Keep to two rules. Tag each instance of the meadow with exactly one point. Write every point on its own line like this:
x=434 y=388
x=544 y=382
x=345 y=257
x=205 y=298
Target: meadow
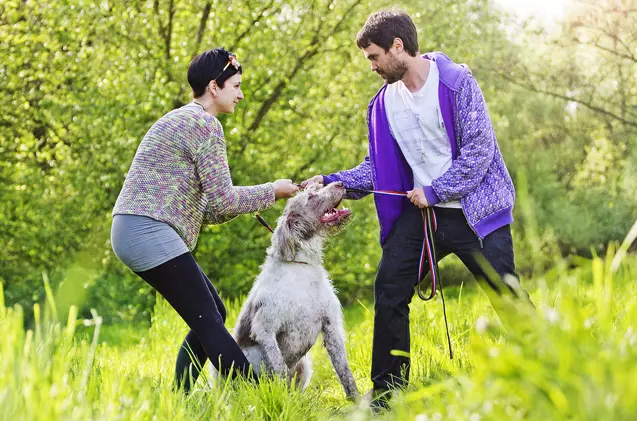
x=574 y=358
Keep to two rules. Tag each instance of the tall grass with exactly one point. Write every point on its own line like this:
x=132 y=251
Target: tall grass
x=575 y=358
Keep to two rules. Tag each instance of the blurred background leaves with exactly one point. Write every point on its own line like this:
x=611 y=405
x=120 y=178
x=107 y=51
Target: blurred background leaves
x=81 y=82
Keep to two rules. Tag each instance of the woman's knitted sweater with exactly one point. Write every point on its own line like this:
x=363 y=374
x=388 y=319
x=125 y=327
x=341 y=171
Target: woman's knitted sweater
x=180 y=176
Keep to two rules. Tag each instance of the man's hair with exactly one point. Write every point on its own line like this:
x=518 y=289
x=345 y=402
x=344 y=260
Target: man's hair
x=381 y=28
x=209 y=66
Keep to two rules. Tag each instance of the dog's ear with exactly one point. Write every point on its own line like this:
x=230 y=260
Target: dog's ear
x=291 y=229
x=284 y=242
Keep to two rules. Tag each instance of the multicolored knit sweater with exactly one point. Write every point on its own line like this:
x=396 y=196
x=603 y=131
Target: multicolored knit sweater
x=180 y=176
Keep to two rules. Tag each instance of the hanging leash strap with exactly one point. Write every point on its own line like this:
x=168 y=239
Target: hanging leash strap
x=263 y=222
x=429 y=247
x=427 y=254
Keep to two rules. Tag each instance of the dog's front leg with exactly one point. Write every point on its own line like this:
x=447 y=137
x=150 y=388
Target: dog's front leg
x=272 y=354
x=264 y=330
x=334 y=341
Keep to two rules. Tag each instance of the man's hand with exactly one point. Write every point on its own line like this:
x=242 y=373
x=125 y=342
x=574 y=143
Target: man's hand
x=316 y=179
x=284 y=189
x=417 y=197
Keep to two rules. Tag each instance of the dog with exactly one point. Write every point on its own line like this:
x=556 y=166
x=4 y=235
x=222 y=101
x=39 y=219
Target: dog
x=292 y=299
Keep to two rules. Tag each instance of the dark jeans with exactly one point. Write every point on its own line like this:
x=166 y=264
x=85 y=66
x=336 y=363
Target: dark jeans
x=184 y=285
x=398 y=275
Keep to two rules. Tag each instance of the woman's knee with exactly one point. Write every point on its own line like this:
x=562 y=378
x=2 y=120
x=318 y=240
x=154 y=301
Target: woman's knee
x=205 y=322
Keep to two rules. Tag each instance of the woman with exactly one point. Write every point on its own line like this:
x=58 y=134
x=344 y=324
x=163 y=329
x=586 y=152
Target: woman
x=179 y=180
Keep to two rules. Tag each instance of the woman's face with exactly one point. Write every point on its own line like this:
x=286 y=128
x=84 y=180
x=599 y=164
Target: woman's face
x=228 y=97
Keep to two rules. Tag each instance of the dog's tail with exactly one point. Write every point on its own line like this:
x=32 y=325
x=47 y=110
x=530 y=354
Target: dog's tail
x=303 y=372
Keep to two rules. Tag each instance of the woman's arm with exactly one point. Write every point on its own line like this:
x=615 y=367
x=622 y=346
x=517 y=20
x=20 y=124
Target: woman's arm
x=225 y=199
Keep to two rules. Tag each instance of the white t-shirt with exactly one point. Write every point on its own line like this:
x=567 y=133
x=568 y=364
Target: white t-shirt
x=416 y=123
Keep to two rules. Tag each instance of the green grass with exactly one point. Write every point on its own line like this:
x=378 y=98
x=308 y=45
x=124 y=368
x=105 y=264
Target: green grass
x=573 y=359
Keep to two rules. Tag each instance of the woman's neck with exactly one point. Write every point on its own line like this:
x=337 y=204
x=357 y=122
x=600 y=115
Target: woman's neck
x=208 y=105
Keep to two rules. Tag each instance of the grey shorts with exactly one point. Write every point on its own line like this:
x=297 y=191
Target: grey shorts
x=143 y=243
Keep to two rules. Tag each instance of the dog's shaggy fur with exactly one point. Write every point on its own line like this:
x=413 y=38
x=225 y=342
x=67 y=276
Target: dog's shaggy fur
x=292 y=299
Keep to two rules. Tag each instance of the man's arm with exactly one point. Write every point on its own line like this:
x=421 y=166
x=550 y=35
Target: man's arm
x=477 y=147
x=359 y=177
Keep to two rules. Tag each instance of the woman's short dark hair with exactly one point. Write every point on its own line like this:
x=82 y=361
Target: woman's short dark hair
x=209 y=66
x=381 y=28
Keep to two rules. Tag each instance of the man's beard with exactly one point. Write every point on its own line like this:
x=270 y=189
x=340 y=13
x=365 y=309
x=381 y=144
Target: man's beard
x=395 y=73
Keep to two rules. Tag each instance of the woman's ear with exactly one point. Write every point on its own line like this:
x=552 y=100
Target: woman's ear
x=213 y=88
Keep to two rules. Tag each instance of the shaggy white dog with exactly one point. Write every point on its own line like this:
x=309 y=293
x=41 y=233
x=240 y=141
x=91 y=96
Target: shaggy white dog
x=292 y=299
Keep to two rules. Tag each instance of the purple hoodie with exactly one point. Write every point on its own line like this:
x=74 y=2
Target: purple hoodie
x=477 y=177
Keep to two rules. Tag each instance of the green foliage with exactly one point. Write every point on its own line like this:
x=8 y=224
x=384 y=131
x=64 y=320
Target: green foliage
x=82 y=82
x=568 y=114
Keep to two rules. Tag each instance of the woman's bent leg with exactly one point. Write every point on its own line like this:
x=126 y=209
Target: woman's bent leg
x=183 y=285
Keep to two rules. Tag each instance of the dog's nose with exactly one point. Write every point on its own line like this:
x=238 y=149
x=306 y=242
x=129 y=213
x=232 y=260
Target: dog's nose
x=338 y=184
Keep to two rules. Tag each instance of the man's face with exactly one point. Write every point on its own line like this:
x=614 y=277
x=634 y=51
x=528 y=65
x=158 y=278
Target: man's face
x=386 y=64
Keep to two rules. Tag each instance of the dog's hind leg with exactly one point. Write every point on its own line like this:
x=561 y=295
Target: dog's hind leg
x=334 y=341
x=302 y=373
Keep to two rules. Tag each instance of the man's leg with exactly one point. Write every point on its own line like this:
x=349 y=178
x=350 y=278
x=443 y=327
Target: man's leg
x=393 y=289
x=489 y=262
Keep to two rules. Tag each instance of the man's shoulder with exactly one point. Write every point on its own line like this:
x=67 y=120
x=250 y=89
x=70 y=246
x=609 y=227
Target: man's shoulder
x=451 y=73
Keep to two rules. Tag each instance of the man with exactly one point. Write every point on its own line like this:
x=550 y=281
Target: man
x=429 y=135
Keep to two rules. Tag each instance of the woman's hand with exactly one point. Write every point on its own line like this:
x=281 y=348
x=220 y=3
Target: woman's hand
x=284 y=188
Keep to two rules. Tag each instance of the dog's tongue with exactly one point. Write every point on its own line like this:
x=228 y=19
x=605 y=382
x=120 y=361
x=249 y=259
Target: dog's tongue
x=343 y=212
x=335 y=214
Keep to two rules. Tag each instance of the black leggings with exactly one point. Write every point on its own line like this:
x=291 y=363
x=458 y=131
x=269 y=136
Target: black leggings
x=184 y=285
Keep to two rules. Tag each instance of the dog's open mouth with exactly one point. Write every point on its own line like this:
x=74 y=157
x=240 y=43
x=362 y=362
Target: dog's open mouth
x=335 y=215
